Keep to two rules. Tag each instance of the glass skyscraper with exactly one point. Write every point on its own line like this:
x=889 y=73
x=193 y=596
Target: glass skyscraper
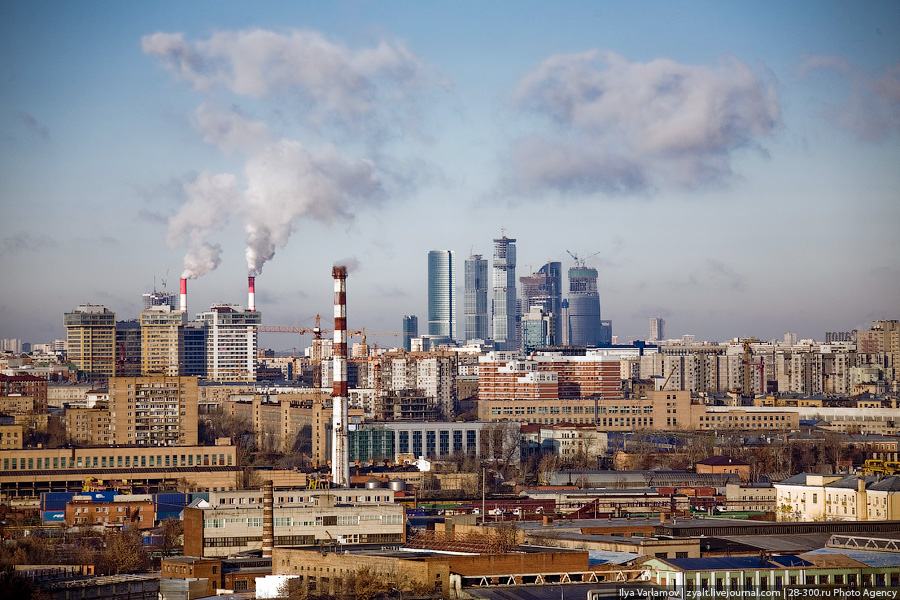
x=475 y=309
x=442 y=294
x=544 y=289
x=410 y=330
x=584 y=307
x=504 y=286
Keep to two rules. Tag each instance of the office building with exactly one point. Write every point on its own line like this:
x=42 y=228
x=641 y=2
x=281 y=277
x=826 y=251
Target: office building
x=536 y=327
x=90 y=339
x=585 y=328
x=231 y=342
x=162 y=341
x=194 y=349
x=410 y=330
x=544 y=290
x=442 y=294
x=475 y=310
x=155 y=410
x=128 y=348
x=503 y=283
x=657 y=329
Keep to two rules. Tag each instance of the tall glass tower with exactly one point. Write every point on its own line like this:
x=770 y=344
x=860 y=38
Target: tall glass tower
x=504 y=285
x=410 y=330
x=475 y=309
x=442 y=293
x=584 y=307
x=544 y=289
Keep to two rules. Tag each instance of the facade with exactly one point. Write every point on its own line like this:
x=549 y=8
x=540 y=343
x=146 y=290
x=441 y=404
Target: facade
x=128 y=348
x=503 y=284
x=89 y=426
x=755 y=497
x=162 y=341
x=475 y=308
x=156 y=298
x=657 y=329
x=194 y=349
x=442 y=294
x=410 y=330
x=544 y=290
x=585 y=328
x=724 y=464
x=231 y=522
x=231 y=342
x=26 y=385
x=156 y=410
x=90 y=339
x=816 y=497
x=11 y=437
x=379 y=441
x=140 y=514
x=536 y=329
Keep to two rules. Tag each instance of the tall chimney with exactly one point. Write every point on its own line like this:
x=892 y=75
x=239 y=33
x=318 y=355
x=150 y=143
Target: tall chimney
x=183 y=295
x=340 y=463
x=251 y=293
x=268 y=532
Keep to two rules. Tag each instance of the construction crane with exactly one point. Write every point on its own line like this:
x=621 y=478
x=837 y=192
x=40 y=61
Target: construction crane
x=579 y=262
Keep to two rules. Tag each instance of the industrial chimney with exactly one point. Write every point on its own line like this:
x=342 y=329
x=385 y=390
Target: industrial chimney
x=183 y=295
x=251 y=293
x=340 y=463
x=268 y=532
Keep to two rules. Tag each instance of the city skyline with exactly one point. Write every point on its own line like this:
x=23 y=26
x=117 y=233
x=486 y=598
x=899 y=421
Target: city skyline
x=730 y=168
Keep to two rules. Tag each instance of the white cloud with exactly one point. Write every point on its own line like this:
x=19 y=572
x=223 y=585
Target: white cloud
x=619 y=125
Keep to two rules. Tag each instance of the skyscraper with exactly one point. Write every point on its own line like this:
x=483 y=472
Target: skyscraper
x=231 y=342
x=504 y=286
x=657 y=329
x=475 y=309
x=584 y=307
x=410 y=330
x=544 y=290
x=162 y=341
x=442 y=293
x=91 y=340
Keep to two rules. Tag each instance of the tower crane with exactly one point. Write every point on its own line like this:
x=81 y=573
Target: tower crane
x=579 y=262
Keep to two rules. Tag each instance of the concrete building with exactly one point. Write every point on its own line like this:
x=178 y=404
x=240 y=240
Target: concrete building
x=503 y=285
x=11 y=437
x=162 y=341
x=657 y=329
x=232 y=522
x=724 y=464
x=378 y=441
x=156 y=410
x=89 y=426
x=128 y=348
x=231 y=342
x=90 y=340
x=35 y=388
x=442 y=294
x=816 y=497
x=476 y=313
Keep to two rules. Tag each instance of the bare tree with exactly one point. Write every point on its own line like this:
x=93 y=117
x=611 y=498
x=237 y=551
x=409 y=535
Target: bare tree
x=123 y=552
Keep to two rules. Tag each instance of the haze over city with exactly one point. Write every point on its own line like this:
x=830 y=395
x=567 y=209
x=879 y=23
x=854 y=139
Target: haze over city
x=730 y=167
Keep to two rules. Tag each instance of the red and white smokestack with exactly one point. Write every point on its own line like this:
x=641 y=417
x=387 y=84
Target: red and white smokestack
x=183 y=295
x=251 y=293
x=340 y=457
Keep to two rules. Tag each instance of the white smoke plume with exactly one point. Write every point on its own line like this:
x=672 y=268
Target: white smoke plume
x=210 y=199
x=284 y=180
x=616 y=125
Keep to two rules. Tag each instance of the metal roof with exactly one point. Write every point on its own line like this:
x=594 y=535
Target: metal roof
x=735 y=563
x=867 y=557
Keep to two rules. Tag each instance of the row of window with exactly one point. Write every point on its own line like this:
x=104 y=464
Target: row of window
x=111 y=462
x=320 y=521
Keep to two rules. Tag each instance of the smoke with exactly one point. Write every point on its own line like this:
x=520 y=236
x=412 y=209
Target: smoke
x=620 y=126
x=369 y=90
x=351 y=263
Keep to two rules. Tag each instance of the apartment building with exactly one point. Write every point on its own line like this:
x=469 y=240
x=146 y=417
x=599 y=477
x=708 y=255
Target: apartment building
x=154 y=410
x=89 y=426
x=26 y=385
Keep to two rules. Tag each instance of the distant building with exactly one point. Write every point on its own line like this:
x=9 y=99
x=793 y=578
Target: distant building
x=544 y=289
x=724 y=464
x=442 y=293
x=475 y=308
x=536 y=328
x=128 y=348
x=585 y=328
x=154 y=298
x=155 y=410
x=231 y=342
x=162 y=341
x=503 y=282
x=91 y=339
x=657 y=329
x=410 y=330
x=26 y=385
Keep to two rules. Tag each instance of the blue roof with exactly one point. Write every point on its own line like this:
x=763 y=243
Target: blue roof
x=735 y=563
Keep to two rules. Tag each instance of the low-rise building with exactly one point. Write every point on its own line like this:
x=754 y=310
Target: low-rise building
x=724 y=464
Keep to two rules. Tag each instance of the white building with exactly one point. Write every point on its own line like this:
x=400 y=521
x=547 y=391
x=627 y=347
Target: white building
x=231 y=342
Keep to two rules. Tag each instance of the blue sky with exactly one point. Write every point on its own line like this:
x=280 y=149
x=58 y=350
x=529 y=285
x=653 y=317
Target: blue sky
x=734 y=166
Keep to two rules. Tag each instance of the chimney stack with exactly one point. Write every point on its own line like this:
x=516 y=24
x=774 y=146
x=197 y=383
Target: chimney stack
x=340 y=465
x=183 y=295
x=251 y=293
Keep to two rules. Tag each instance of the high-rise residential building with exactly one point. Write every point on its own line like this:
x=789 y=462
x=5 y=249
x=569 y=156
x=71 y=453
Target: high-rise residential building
x=194 y=349
x=585 y=328
x=162 y=341
x=155 y=298
x=156 y=410
x=503 y=282
x=657 y=329
x=231 y=342
x=128 y=348
x=91 y=340
x=475 y=310
x=544 y=290
x=442 y=294
x=410 y=330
